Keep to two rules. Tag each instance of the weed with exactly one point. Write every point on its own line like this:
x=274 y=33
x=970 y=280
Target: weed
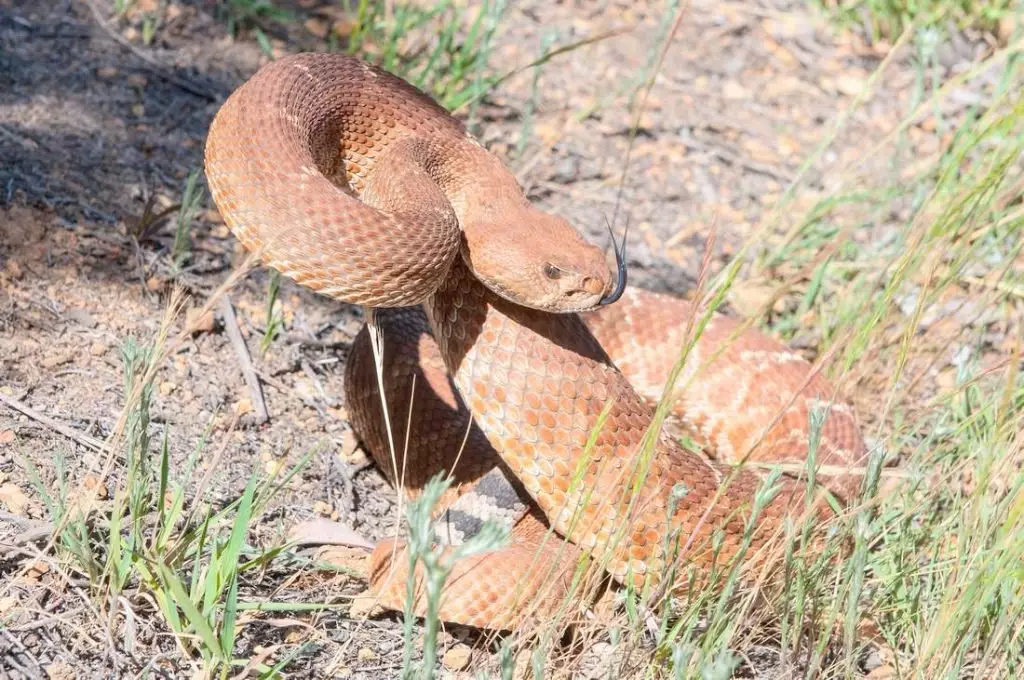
x=187 y=557
x=273 y=320
x=191 y=197
x=253 y=15
x=889 y=18
x=441 y=47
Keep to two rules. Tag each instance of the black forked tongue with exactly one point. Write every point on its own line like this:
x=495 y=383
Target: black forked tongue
x=620 y=266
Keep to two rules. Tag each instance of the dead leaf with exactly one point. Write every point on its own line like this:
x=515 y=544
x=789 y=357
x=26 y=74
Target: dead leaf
x=243 y=406
x=93 y=483
x=37 y=569
x=323 y=532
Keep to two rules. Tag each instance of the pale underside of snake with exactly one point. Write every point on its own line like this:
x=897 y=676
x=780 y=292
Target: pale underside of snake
x=355 y=184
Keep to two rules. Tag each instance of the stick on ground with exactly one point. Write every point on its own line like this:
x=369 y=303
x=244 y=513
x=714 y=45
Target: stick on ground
x=69 y=432
x=244 y=360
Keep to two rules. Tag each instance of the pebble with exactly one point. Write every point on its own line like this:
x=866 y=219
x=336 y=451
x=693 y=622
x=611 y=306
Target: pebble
x=457 y=658
x=199 y=322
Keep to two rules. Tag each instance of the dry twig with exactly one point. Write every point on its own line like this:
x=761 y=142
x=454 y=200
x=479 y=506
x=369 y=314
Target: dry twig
x=67 y=431
x=252 y=381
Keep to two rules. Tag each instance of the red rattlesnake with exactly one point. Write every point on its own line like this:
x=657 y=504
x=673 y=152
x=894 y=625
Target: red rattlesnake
x=357 y=185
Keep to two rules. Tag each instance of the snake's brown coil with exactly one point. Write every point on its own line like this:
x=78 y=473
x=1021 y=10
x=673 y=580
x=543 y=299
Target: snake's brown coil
x=355 y=184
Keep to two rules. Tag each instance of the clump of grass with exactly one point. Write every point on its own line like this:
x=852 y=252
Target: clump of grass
x=255 y=16
x=930 y=571
x=887 y=19
x=930 y=575
x=187 y=557
x=442 y=47
x=191 y=197
x=273 y=320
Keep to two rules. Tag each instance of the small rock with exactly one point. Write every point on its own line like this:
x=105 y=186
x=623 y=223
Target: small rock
x=349 y=443
x=363 y=606
x=198 y=322
x=13 y=269
x=155 y=284
x=14 y=498
x=97 y=349
x=213 y=216
x=6 y=437
x=60 y=671
x=850 y=84
x=457 y=658
x=54 y=360
x=167 y=388
x=733 y=90
x=946 y=379
x=789 y=146
x=306 y=390
x=8 y=603
x=81 y=317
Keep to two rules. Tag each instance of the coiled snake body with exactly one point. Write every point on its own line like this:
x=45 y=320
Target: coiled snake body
x=352 y=182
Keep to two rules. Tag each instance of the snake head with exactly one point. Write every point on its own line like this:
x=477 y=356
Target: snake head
x=542 y=262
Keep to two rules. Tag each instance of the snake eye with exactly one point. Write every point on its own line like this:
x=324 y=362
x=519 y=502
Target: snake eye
x=552 y=272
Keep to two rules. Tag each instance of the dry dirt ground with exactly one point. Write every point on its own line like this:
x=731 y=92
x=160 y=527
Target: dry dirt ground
x=94 y=125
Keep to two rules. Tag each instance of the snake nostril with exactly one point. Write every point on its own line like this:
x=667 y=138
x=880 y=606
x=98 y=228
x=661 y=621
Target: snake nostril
x=592 y=285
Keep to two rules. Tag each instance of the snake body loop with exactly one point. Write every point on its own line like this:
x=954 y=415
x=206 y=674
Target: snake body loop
x=357 y=185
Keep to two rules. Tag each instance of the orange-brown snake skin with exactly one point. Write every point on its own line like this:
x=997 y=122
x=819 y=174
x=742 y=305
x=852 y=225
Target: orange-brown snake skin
x=353 y=183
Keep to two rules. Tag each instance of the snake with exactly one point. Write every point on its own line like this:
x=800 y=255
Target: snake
x=513 y=357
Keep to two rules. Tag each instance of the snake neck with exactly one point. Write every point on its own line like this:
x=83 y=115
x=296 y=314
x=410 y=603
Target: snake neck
x=555 y=408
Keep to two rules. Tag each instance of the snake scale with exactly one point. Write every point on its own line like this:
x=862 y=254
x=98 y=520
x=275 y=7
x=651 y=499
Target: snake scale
x=506 y=339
